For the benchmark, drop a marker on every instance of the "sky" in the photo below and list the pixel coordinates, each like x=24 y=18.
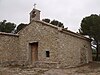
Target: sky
x=69 y=12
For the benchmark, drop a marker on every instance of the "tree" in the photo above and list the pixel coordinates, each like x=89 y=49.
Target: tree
x=60 y=25
x=46 y=20
x=91 y=26
x=57 y=23
x=54 y=22
x=20 y=26
x=7 y=27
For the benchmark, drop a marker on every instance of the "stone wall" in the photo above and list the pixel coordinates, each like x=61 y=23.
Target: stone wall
x=8 y=48
x=66 y=48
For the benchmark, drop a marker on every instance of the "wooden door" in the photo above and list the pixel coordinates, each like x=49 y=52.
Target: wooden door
x=34 y=51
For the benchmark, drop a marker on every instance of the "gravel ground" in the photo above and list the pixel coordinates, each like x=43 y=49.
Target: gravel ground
x=87 y=69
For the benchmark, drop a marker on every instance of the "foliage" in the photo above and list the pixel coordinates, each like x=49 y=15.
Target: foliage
x=20 y=26
x=91 y=26
x=57 y=23
x=54 y=22
x=60 y=25
x=46 y=20
x=7 y=27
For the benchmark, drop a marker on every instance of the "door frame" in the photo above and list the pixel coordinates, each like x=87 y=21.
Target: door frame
x=30 y=49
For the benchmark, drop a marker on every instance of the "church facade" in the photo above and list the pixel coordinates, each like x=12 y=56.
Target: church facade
x=43 y=42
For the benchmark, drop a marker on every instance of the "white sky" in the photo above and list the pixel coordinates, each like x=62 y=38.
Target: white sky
x=69 y=12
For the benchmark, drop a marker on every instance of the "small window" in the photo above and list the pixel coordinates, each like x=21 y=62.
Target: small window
x=47 y=54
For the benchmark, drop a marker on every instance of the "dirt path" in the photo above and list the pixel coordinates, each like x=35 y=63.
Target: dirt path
x=88 y=69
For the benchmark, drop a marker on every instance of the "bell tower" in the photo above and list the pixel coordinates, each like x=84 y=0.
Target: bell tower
x=34 y=14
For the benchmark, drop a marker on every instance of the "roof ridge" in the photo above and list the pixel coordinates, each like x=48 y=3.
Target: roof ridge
x=64 y=30
x=11 y=34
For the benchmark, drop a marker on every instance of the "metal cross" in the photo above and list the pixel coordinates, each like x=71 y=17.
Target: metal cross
x=34 y=5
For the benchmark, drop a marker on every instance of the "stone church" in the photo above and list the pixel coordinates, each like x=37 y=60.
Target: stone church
x=45 y=43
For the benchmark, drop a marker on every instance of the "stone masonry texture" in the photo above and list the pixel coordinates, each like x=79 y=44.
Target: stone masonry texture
x=66 y=48
x=8 y=48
